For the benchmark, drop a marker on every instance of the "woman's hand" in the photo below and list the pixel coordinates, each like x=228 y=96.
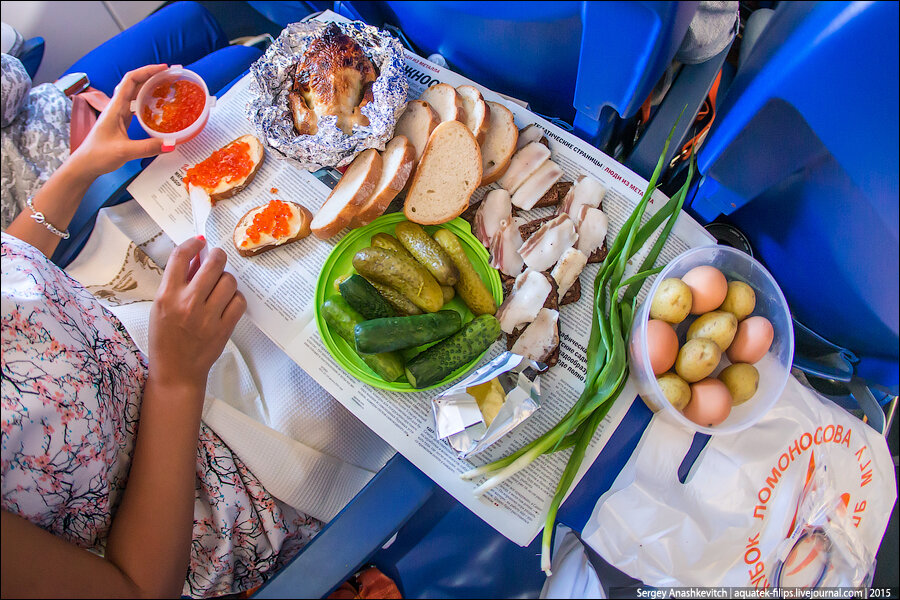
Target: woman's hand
x=193 y=315
x=107 y=147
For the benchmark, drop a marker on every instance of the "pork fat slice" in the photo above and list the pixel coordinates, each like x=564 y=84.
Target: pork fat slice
x=587 y=191
x=540 y=338
x=592 y=230
x=525 y=301
x=505 y=248
x=537 y=185
x=525 y=162
x=544 y=248
x=494 y=208
x=567 y=270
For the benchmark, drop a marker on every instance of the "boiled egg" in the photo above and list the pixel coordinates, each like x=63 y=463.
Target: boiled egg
x=710 y=403
x=662 y=345
x=708 y=288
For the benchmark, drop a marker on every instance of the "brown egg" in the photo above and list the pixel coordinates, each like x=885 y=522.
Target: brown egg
x=708 y=288
x=710 y=403
x=662 y=345
x=751 y=342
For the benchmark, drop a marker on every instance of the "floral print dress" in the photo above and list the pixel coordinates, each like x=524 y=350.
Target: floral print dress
x=71 y=381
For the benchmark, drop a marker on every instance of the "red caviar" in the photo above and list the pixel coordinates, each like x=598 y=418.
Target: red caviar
x=274 y=220
x=274 y=190
x=226 y=164
x=177 y=105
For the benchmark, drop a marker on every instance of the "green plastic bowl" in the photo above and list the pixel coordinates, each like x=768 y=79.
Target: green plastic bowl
x=340 y=262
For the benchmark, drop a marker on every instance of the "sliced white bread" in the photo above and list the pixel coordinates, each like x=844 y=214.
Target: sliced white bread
x=478 y=113
x=416 y=123
x=350 y=193
x=446 y=102
x=450 y=170
x=226 y=189
x=396 y=165
x=298 y=228
x=499 y=143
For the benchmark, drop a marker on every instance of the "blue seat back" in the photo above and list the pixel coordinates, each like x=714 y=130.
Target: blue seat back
x=804 y=159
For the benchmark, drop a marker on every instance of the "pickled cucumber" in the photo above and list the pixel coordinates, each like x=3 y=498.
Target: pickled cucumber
x=403 y=274
x=402 y=304
x=428 y=252
x=438 y=361
x=342 y=320
x=389 y=242
x=470 y=287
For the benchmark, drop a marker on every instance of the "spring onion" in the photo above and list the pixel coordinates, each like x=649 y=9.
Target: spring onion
x=607 y=368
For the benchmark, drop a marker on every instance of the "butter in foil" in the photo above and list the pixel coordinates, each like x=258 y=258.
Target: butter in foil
x=458 y=417
x=272 y=79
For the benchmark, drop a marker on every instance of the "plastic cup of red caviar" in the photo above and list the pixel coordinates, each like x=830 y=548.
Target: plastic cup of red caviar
x=185 y=132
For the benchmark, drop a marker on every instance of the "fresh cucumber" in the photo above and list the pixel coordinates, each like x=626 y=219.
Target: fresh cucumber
x=401 y=273
x=396 y=333
x=342 y=319
x=438 y=361
x=360 y=294
x=402 y=305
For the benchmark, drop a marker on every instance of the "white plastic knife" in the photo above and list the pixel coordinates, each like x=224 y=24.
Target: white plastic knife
x=201 y=206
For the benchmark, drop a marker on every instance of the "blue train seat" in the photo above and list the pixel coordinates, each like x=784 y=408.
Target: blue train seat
x=804 y=159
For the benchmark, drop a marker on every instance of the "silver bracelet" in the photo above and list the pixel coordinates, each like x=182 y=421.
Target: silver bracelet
x=39 y=217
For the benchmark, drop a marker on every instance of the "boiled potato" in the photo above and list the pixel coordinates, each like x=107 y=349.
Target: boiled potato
x=671 y=302
x=675 y=389
x=742 y=380
x=718 y=326
x=697 y=359
x=740 y=300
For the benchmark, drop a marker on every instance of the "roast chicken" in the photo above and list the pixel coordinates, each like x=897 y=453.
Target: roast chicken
x=334 y=78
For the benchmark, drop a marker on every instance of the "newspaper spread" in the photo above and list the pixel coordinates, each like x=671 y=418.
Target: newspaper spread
x=279 y=288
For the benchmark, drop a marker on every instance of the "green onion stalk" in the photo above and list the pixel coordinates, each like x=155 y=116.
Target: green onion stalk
x=607 y=367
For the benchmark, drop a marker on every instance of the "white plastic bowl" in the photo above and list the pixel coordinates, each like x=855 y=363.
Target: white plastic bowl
x=144 y=97
x=774 y=368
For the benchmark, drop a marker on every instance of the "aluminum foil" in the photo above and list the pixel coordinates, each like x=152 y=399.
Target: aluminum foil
x=271 y=81
x=458 y=419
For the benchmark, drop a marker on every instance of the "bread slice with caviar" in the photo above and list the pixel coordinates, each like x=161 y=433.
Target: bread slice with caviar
x=396 y=166
x=447 y=175
x=349 y=195
x=499 y=143
x=270 y=226
x=245 y=153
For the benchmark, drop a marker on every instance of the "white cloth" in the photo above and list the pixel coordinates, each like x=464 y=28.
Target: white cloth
x=573 y=575
x=725 y=523
x=306 y=449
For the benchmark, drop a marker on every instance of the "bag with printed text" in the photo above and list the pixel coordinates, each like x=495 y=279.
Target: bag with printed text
x=801 y=499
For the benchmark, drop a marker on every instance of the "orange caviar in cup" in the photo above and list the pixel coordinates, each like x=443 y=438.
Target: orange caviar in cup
x=274 y=220
x=176 y=106
x=227 y=164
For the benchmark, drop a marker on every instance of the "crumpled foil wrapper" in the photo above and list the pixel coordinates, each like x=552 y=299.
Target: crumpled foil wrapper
x=271 y=81
x=458 y=419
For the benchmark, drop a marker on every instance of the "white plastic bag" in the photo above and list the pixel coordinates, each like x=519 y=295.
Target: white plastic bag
x=726 y=524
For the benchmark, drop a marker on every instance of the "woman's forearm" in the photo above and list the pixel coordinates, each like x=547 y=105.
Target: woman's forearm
x=57 y=199
x=150 y=539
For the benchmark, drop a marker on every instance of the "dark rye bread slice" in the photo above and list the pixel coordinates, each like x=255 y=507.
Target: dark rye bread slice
x=528 y=229
x=554 y=195
x=573 y=294
x=599 y=254
x=550 y=303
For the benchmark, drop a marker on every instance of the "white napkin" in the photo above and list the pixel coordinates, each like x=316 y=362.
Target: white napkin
x=306 y=449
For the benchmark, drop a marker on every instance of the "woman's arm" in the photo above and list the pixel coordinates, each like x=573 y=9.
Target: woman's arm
x=106 y=148
x=148 y=548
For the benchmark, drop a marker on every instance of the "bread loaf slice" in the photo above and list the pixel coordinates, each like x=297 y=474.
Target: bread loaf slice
x=416 y=123
x=446 y=102
x=227 y=188
x=450 y=170
x=396 y=166
x=345 y=200
x=499 y=143
x=478 y=113
x=298 y=228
